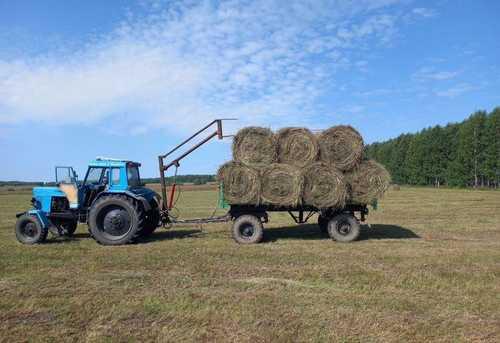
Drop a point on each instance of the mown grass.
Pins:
(427, 269)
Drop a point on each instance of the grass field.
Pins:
(427, 269)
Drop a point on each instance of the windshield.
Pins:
(94, 176)
(133, 176)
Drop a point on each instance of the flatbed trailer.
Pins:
(341, 224)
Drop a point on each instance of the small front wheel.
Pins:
(248, 229)
(344, 228)
(29, 230)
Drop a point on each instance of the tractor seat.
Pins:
(71, 192)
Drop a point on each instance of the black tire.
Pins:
(29, 230)
(344, 228)
(115, 220)
(323, 223)
(150, 223)
(248, 229)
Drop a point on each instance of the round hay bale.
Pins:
(368, 182)
(341, 146)
(254, 145)
(240, 183)
(324, 186)
(297, 146)
(280, 185)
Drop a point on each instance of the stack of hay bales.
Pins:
(294, 167)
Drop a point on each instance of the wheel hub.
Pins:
(116, 222)
(29, 230)
(344, 228)
(247, 231)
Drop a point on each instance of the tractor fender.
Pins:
(39, 215)
(142, 200)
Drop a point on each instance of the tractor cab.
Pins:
(110, 175)
(103, 175)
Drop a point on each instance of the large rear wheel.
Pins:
(115, 220)
(29, 230)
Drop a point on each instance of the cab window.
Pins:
(133, 176)
(65, 175)
(115, 176)
(95, 176)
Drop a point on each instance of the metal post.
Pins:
(219, 129)
(163, 185)
(175, 162)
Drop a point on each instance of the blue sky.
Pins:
(129, 79)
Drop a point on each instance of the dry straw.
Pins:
(281, 185)
(324, 186)
(341, 146)
(297, 146)
(368, 182)
(255, 145)
(240, 182)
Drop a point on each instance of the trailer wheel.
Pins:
(248, 229)
(323, 223)
(115, 220)
(344, 228)
(29, 230)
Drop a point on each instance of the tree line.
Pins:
(194, 179)
(200, 179)
(465, 154)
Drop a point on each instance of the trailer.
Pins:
(341, 224)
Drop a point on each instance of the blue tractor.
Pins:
(110, 199)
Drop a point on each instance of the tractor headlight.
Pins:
(36, 204)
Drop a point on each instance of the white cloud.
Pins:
(354, 109)
(429, 73)
(264, 61)
(455, 91)
(424, 12)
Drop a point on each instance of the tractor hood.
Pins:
(43, 197)
(39, 192)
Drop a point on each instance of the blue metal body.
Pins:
(43, 196)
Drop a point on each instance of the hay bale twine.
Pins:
(341, 146)
(368, 182)
(240, 182)
(254, 145)
(324, 186)
(280, 185)
(297, 146)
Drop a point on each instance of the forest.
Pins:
(465, 154)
